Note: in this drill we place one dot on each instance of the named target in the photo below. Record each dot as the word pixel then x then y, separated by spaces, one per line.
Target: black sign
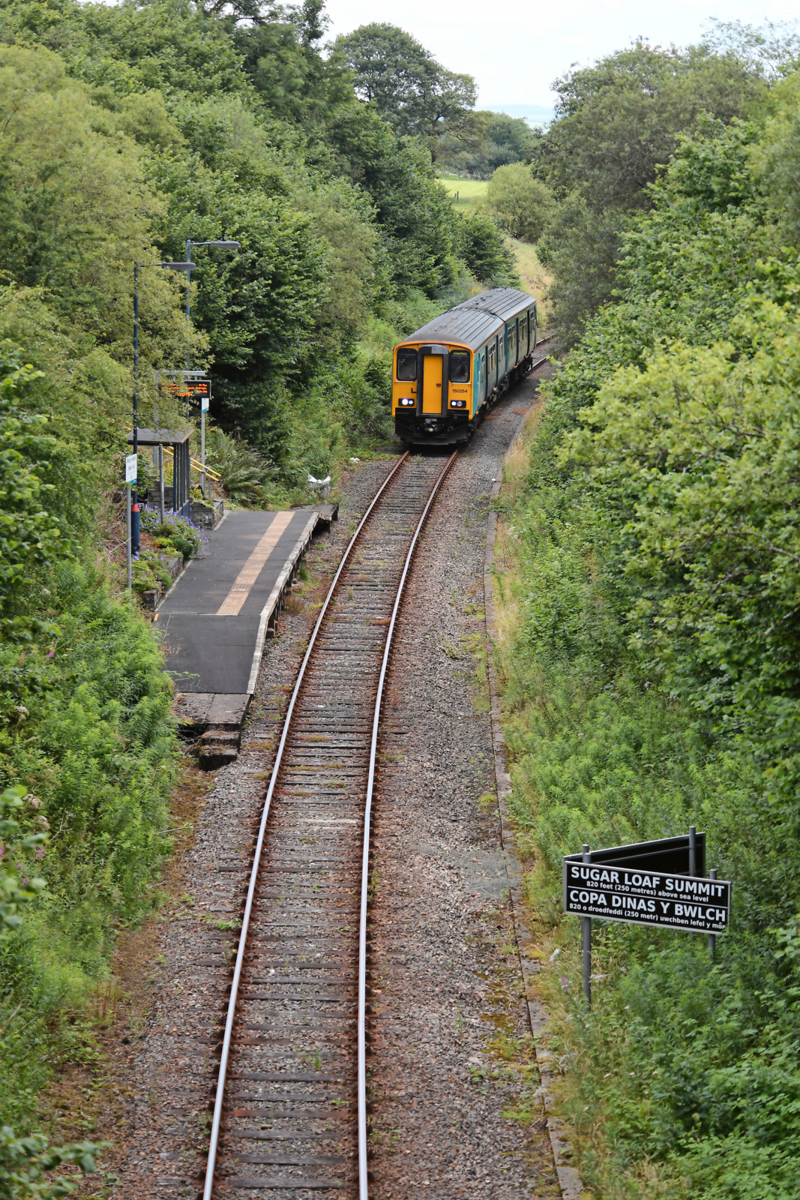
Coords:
pixel 665 854
pixel 644 897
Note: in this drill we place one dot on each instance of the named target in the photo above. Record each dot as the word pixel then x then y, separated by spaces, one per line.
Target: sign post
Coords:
pixel 646 883
pixel 131 461
pixel 203 410
pixel 587 945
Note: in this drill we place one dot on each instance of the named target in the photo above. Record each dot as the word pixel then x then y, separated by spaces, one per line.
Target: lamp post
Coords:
pixel 134 501
pixel 214 246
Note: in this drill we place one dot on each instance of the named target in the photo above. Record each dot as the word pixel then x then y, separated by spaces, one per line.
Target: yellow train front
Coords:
pixel 450 371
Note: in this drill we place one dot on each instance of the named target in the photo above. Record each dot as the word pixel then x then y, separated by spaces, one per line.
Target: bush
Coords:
pixel 524 205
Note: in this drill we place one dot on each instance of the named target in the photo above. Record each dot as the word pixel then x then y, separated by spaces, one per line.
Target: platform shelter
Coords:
pixel 177 497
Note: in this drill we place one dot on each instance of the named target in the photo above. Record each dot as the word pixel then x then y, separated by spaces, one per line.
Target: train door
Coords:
pixel 512 344
pixel 432 380
pixel 523 336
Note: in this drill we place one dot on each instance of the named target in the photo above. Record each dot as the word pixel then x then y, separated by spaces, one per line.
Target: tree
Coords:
pixel 619 119
pixel 77 209
pixel 523 204
pixel 282 58
pixel 616 123
pixel 485 251
pixel 403 81
pixel 416 218
pixel 482 142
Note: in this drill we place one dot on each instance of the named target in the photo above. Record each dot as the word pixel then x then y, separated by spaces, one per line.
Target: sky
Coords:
pixel 516 49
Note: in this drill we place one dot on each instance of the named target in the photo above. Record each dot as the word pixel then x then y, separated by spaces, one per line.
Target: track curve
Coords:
pixel 293 1064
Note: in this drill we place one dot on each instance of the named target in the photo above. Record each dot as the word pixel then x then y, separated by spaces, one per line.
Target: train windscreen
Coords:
pixel 406 365
pixel 459 366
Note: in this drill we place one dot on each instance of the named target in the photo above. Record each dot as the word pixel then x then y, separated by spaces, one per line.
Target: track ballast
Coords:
pixel 290 1112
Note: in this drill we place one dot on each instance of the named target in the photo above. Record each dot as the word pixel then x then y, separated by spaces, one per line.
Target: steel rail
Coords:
pixel 363 1182
pixel 237 971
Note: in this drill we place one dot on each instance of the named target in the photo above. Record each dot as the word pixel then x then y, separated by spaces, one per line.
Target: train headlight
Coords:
pixel 406 402
pixel 458 404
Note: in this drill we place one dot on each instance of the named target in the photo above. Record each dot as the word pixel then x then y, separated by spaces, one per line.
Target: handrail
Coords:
pixel 198 466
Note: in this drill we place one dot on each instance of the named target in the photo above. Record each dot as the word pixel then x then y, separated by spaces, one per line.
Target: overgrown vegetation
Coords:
pixel 651 679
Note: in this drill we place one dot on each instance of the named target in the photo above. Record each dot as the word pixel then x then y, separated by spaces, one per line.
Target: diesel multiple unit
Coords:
pixel 449 371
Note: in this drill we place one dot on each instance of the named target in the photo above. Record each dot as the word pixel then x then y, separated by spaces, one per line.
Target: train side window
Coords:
pixel 406 365
pixel 459 366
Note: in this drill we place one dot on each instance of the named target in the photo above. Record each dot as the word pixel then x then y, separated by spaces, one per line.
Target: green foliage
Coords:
pixel 149 570
pixel 28 534
pixel 653 684
pixel 178 535
pixel 616 123
pixel 60 164
pixel 482 142
pixel 523 204
pixel 25 1161
pixel 416 219
pixel 395 74
pixel 282 58
pixel 243 470
pixel 15 888
pixel 485 252
pixel 618 120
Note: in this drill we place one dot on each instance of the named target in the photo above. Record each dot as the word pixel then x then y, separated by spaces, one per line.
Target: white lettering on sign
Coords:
pixel 131 462
pixel 646 897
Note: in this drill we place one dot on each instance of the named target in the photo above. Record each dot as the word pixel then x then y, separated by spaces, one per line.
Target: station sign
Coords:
pixel 644 897
pixel 131 467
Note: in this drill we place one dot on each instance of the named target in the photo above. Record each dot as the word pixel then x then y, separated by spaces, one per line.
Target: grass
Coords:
pixel 468 195
pixel 534 278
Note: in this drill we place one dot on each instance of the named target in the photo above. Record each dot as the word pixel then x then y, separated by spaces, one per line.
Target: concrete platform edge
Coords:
pixel 300 547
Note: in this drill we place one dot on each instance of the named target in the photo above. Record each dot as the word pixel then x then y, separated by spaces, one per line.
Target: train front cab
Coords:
pixel 432 393
pixel 440 391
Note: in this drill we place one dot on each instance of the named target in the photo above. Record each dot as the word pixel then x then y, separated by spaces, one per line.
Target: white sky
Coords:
pixel 515 49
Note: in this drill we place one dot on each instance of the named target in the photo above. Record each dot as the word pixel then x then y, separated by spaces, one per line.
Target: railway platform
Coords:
pixel 215 620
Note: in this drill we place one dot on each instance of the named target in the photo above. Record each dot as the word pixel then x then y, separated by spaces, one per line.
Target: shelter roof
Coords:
pixel 160 437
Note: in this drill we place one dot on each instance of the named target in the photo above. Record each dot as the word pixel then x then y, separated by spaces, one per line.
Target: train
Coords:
pixel 449 372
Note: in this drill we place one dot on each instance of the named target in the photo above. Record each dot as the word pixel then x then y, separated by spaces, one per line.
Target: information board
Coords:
pixel 131 463
pixel 670 901
pixel 196 390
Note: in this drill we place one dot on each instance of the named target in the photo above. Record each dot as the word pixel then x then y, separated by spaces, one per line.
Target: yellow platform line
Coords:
pixel 232 604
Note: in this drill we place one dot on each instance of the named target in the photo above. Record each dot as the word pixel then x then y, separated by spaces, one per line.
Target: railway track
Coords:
pixel 290 1115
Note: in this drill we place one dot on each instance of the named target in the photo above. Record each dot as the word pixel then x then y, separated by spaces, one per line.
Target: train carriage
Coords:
pixel 448 373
